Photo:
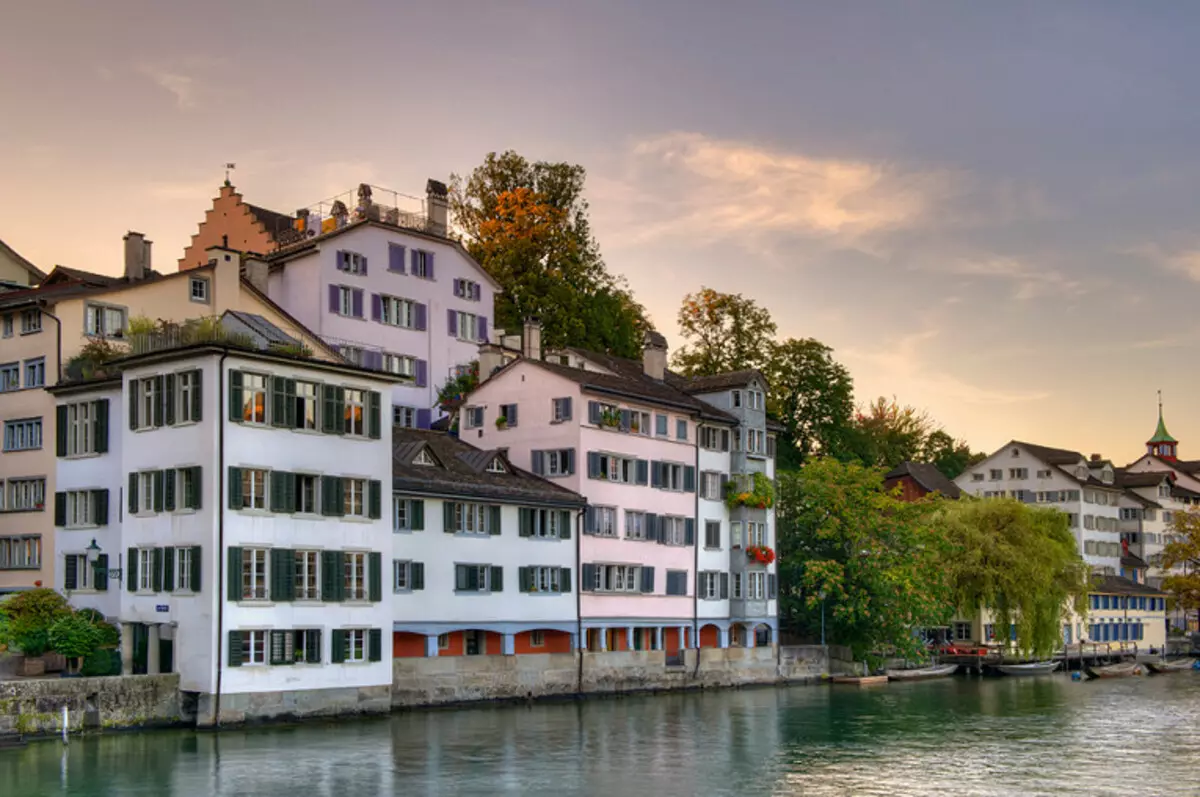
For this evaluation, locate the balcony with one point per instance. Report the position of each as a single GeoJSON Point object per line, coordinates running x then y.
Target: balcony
{"type": "Point", "coordinates": [350, 207]}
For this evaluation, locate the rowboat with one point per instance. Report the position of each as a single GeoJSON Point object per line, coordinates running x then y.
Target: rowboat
{"type": "Point", "coordinates": [1164, 667]}
{"type": "Point", "coordinates": [1122, 669]}
{"type": "Point", "coordinates": [1032, 668]}
{"type": "Point", "coordinates": [922, 673]}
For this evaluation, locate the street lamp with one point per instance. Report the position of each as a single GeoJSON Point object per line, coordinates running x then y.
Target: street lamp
{"type": "Point", "coordinates": [93, 548]}
{"type": "Point", "coordinates": [821, 595]}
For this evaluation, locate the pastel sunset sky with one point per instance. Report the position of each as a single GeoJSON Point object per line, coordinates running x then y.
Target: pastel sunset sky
{"type": "Point", "coordinates": [988, 210]}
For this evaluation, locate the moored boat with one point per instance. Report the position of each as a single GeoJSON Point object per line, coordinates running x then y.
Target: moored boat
{"type": "Point", "coordinates": [922, 673]}
{"type": "Point", "coordinates": [1032, 668]}
{"type": "Point", "coordinates": [1163, 667]}
{"type": "Point", "coordinates": [1123, 669]}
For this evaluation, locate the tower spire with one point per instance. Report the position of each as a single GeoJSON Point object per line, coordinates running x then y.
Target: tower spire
{"type": "Point", "coordinates": [1162, 445]}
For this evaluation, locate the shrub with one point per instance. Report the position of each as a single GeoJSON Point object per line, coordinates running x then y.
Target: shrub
{"type": "Point", "coordinates": [30, 616]}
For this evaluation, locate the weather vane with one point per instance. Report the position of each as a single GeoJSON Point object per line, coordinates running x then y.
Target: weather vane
{"type": "Point", "coordinates": [228, 167]}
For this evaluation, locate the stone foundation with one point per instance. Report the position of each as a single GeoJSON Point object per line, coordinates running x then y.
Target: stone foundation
{"type": "Point", "coordinates": [237, 709]}
{"type": "Point", "coordinates": [34, 707]}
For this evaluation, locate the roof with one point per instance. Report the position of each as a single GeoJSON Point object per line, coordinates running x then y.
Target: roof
{"type": "Point", "coordinates": [1060, 457]}
{"type": "Point", "coordinates": [1132, 560]}
{"type": "Point", "coordinates": [259, 327]}
{"type": "Point", "coordinates": [1179, 491]}
{"type": "Point", "coordinates": [462, 471]}
{"type": "Point", "coordinates": [273, 221]}
{"type": "Point", "coordinates": [712, 383]}
{"type": "Point", "coordinates": [68, 283]}
{"type": "Point", "coordinates": [1161, 435]}
{"type": "Point", "coordinates": [168, 354]}
{"type": "Point", "coordinates": [1143, 500]}
{"type": "Point", "coordinates": [927, 476]}
{"type": "Point", "coordinates": [36, 273]}
{"type": "Point", "coordinates": [1149, 478]}
{"type": "Point", "coordinates": [1115, 585]}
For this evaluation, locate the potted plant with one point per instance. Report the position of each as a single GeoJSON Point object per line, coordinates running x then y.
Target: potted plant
{"type": "Point", "coordinates": [501, 422]}
{"type": "Point", "coordinates": [759, 494]}
{"type": "Point", "coordinates": [610, 417]}
{"type": "Point", "coordinates": [760, 554]}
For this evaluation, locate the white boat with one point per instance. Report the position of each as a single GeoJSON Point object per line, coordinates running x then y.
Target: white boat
{"type": "Point", "coordinates": [1033, 668]}
{"type": "Point", "coordinates": [1174, 665]}
{"type": "Point", "coordinates": [922, 673]}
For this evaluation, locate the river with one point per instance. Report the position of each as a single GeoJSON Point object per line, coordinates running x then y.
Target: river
{"type": "Point", "coordinates": [960, 736]}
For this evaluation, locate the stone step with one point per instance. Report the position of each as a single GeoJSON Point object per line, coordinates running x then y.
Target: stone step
{"type": "Point", "coordinates": [11, 739]}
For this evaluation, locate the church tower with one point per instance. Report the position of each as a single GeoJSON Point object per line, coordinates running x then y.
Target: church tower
{"type": "Point", "coordinates": [1162, 445]}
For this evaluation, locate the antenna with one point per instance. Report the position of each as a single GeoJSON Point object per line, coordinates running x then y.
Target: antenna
{"type": "Point", "coordinates": [228, 168]}
{"type": "Point", "coordinates": [1160, 403]}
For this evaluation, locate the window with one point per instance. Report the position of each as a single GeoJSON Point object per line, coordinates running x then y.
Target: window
{"type": "Point", "coordinates": [145, 393]}
{"type": "Point", "coordinates": [496, 466]}
{"type": "Point", "coordinates": [8, 325]}
{"type": "Point", "coordinates": [756, 398]}
{"type": "Point", "coordinates": [962, 632]}
{"type": "Point", "coordinates": [345, 301]}
{"type": "Point", "coordinates": [10, 376]}
{"type": "Point", "coordinates": [676, 582]}
{"type": "Point", "coordinates": [467, 289]}
{"type": "Point", "coordinates": [183, 569]}
{"type": "Point", "coordinates": [423, 457]}
{"type": "Point", "coordinates": [635, 525]}
{"type": "Point", "coordinates": [476, 578]}
{"type": "Point", "coordinates": [103, 322]}
{"type": "Point", "coordinates": [710, 585]}
{"type": "Point", "coordinates": [31, 321]}
{"type": "Point", "coordinates": [407, 576]}
{"type": "Point", "coordinates": [736, 586]}
{"type": "Point", "coordinates": [604, 520]}
{"type": "Point", "coordinates": [77, 571]}
{"type": "Point", "coordinates": [306, 405]}
{"type": "Point", "coordinates": [21, 553]}
{"type": "Point", "coordinates": [356, 645]}
{"type": "Point", "coordinates": [474, 417]}
{"type": "Point", "coordinates": [537, 639]}
{"type": "Point", "coordinates": [735, 534]}
{"type": "Point", "coordinates": [306, 583]}
{"type": "Point", "coordinates": [507, 417]}
{"type": "Point", "coordinates": [354, 497]}
{"type": "Point", "coordinates": [671, 530]}
{"type": "Point", "coordinates": [422, 264]}
{"type": "Point", "coordinates": [356, 576]}
{"type": "Point", "coordinates": [404, 416]}
{"type": "Point", "coordinates": [351, 262]}
{"type": "Point", "coordinates": [400, 365]}
{"type": "Point", "coordinates": [198, 289]}
{"type": "Point", "coordinates": [398, 312]}
{"type": "Point", "coordinates": [473, 518]}
{"type": "Point", "coordinates": [254, 398]}
{"type": "Point", "coordinates": [672, 476]}
{"type": "Point", "coordinates": [995, 474]}
{"type": "Point", "coordinates": [681, 429]}
{"type": "Point", "coordinates": [976, 477]}
{"type": "Point", "coordinates": [560, 410]}
{"type": "Point", "coordinates": [714, 439]}
{"type": "Point", "coordinates": [613, 468]}
{"type": "Point", "coordinates": [661, 423]}
{"type": "Point", "coordinates": [559, 462]}
{"type": "Point", "coordinates": [467, 326]}
{"type": "Point", "coordinates": [352, 354]}
{"type": "Point", "coordinates": [356, 416]}
{"type": "Point", "coordinates": [306, 494]}
{"type": "Point", "coordinates": [254, 647]}
{"type": "Point", "coordinates": [1164, 491]}
{"type": "Point", "coordinates": [1043, 474]}
{"type": "Point", "coordinates": [617, 578]}
{"type": "Point", "coordinates": [756, 586]}
{"type": "Point", "coordinates": [756, 441]}
{"type": "Point", "coordinates": [254, 488]}
{"type": "Point", "coordinates": [737, 398]}
{"type": "Point", "coordinates": [710, 485]}
{"type": "Point", "coordinates": [542, 579]}
{"type": "Point", "coordinates": [23, 435]}
{"type": "Point", "coordinates": [187, 397]}
{"type": "Point", "coordinates": [145, 564]}
{"type": "Point", "coordinates": [254, 574]}
{"type": "Point", "coordinates": [35, 372]}
{"type": "Point", "coordinates": [80, 509]}
{"type": "Point", "coordinates": [712, 534]}
{"type": "Point", "coordinates": [26, 495]}
{"type": "Point", "coordinates": [756, 533]}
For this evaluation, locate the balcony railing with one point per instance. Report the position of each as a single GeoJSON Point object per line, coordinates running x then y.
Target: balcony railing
{"type": "Point", "coordinates": [348, 207]}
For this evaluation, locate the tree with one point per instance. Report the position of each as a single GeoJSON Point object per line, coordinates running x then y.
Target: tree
{"type": "Point", "coordinates": [1018, 562]}
{"type": "Point", "coordinates": [812, 395]}
{"type": "Point", "coordinates": [948, 455]}
{"type": "Point", "coordinates": [1183, 550]}
{"type": "Point", "coordinates": [30, 616]}
{"type": "Point", "coordinates": [870, 557]}
{"type": "Point", "coordinates": [527, 225]}
{"type": "Point", "coordinates": [724, 332]}
{"type": "Point", "coordinates": [74, 636]}
{"type": "Point", "coordinates": [884, 434]}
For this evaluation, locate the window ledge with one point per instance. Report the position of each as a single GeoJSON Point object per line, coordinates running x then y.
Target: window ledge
{"type": "Point", "coordinates": [87, 455]}
{"type": "Point", "coordinates": [465, 592]}
{"type": "Point", "coordinates": [81, 528]}
{"type": "Point", "coordinates": [255, 603]}
{"type": "Point", "coordinates": [20, 511]}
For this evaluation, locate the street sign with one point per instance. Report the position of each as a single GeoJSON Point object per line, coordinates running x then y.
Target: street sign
{"type": "Point", "coordinates": [114, 572]}
{"type": "Point", "coordinates": [162, 607]}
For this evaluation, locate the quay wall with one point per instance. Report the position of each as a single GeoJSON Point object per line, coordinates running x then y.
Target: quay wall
{"type": "Point", "coordinates": [33, 706]}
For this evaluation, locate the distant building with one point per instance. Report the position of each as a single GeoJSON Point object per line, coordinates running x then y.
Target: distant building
{"type": "Point", "coordinates": [919, 479]}
{"type": "Point", "coordinates": [15, 271]}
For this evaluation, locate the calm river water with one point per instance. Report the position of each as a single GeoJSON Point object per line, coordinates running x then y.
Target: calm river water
{"type": "Point", "coordinates": [1049, 735]}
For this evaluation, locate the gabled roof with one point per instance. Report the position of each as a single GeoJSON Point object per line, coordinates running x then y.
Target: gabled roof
{"type": "Point", "coordinates": [1143, 500]}
{"type": "Point", "coordinates": [36, 274]}
{"type": "Point", "coordinates": [1132, 560]}
{"type": "Point", "coordinates": [1148, 478]}
{"type": "Point", "coordinates": [1115, 585]}
{"type": "Point", "coordinates": [1061, 458]}
{"type": "Point", "coordinates": [458, 473]}
{"type": "Point", "coordinates": [927, 476]}
{"type": "Point", "coordinates": [263, 331]}
{"type": "Point", "coordinates": [714, 383]}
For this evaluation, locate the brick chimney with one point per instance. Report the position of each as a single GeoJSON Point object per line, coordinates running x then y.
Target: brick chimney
{"type": "Point", "coordinates": [654, 355]}
{"type": "Point", "coordinates": [437, 206]}
{"type": "Point", "coordinates": [137, 256]}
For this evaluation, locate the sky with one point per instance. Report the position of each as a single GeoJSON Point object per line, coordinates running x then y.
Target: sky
{"type": "Point", "coordinates": [988, 210]}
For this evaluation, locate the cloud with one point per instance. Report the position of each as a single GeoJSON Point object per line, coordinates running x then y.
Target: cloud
{"type": "Point", "coordinates": [1029, 282]}
{"type": "Point", "coordinates": [185, 88]}
{"type": "Point", "coordinates": [1183, 260]}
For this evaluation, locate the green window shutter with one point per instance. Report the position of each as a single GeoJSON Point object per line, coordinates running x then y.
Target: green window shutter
{"type": "Point", "coordinates": [133, 402]}
{"type": "Point", "coordinates": [374, 499]}
{"type": "Point", "coordinates": [100, 507]}
{"type": "Point", "coordinates": [494, 521]}
{"type": "Point", "coordinates": [496, 582]}
{"type": "Point", "coordinates": [233, 574]}
{"type": "Point", "coordinates": [374, 429]}
{"type": "Point", "coordinates": [312, 646]}
{"type": "Point", "coordinates": [131, 572]}
{"type": "Point", "coordinates": [60, 509]}
{"type": "Point", "coordinates": [564, 579]}
{"type": "Point", "coordinates": [333, 409]}
{"type": "Point", "coordinates": [196, 585]}
{"type": "Point", "coordinates": [278, 401]}
{"type": "Point", "coordinates": [193, 500]}
{"type": "Point", "coordinates": [278, 490]}
{"type": "Point", "coordinates": [101, 410]}
{"type": "Point", "coordinates": [524, 522]}
{"type": "Point", "coordinates": [101, 574]}
{"type": "Point", "coordinates": [333, 574]}
{"type": "Point", "coordinates": [289, 402]}
{"type": "Point", "coordinates": [235, 396]}
{"type": "Point", "coordinates": [331, 498]}
{"type": "Point", "coordinates": [159, 489]}
{"type": "Point", "coordinates": [167, 397]}
{"type": "Point", "coordinates": [156, 571]}
{"type": "Point", "coordinates": [70, 573]}
{"type": "Point", "coordinates": [197, 395]}
{"type": "Point", "coordinates": [235, 648]}
{"type": "Point", "coordinates": [168, 576]}
{"type": "Point", "coordinates": [289, 492]}
{"type": "Point", "coordinates": [235, 488]}
{"type": "Point", "coordinates": [416, 515]}
{"type": "Point", "coordinates": [132, 493]}
{"type": "Point", "coordinates": [375, 576]}
{"type": "Point", "coordinates": [416, 575]}
{"type": "Point", "coordinates": [339, 582]}
{"type": "Point", "coordinates": [448, 517]}
{"type": "Point", "coordinates": [337, 652]}
{"type": "Point", "coordinates": [159, 389]}
{"type": "Point", "coordinates": [283, 574]}
{"type": "Point", "coordinates": [375, 644]}
{"type": "Point", "coordinates": [564, 525]}
{"type": "Point", "coordinates": [60, 431]}
{"type": "Point", "coordinates": [524, 581]}
{"type": "Point", "coordinates": [169, 490]}
{"type": "Point", "coordinates": [278, 647]}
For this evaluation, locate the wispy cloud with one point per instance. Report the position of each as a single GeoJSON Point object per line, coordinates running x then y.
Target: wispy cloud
{"type": "Point", "coordinates": [183, 87]}
{"type": "Point", "coordinates": [1028, 281]}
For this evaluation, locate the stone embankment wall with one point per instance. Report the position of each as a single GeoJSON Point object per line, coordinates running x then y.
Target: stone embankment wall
{"type": "Point", "coordinates": [34, 707]}
{"type": "Point", "coordinates": [292, 705]}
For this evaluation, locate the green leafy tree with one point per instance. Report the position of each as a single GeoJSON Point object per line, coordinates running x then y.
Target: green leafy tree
{"type": "Point", "coordinates": [1183, 551]}
{"type": "Point", "coordinates": [874, 558]}
{"type": "Point", "coordinates": [1017, 561]}
{"type": "Point", "coordinates": [527, 225]}
{"type": "Point", "coordinates": [723, 332]}
{"type": "Point", "coordinates": [30, 616]}
{"type": "Point", "coordinates": [952, 457]}
{"type": "Point", "coordinates": [812, 396]}
{"type": "Point", "coordinates": [884, 434]}
{"type": "Point", "coordinates": [74, 636]}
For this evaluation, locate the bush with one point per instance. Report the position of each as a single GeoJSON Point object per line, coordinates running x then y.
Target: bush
{"type": "Point", "coordinates": [30, 616]}
{"type": "Point", "coordinates": [101, 662]}
{"type": "Point", "coordinates": [74, 636]}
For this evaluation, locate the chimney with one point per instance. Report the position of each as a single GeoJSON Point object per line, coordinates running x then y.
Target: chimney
{"type": "Point", "coordinates": [137, 256]}
{"type": "Point", "coordinates": [532, 348]}
{"type": "Point", "coordinates": [437, 206]}
{"type": "Point", "coordinates": [654, 355]}
{"type": "Point", "coordinates": [1095, 457]}
{"type": "Point", "coordinates": [255, 272]}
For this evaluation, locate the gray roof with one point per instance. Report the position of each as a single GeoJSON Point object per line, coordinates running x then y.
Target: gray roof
{"type": "Point", "coordinates": [1115, 585]}
{"type": "Point", "coordinates": [927, 476]}
{"type": "Point", "coordinates": [461, 471]}
{"type": "Point", "coordinates": [713, 383]}
{"type": "Point", "coordinates": [263, 331]}
{"type": "Point", "coordinates": [1061, 457]}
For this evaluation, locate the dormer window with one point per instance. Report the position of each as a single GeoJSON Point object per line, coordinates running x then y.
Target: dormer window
{"type": "Point", "coordinates": [423, 457]}
{"type": "Point", "coordinates": [496, 466]}
{"type": "Point", "coordinates": [1016, 452]}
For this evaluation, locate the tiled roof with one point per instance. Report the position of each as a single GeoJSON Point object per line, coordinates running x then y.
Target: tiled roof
{"type": "Point", "coordinates": [1115, 585]}
{"type": "Point", "coordinates": [1143, 500]}
{"type": "Point", "coordinates": [1061, 457]}
{"type": "Point", "coordinates": [259, 327]}
{"type": "Point", "coordinates": [1132, 560]}
{"type": "Point", "coordinates": [462, 471]}
{"type": "Point", "coordinates": [927, 476]}
{"type": "Point", "coordinates": [1150, 478]}
{"type": "Point", "coordinates": [714, 382]}
{"type": "Point", "coordinates": [274, 221]}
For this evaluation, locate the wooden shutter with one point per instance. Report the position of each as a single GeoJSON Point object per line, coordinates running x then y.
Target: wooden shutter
{"type": "Point", "coordinates": [420, 316]}
{"type": "Point", "coordinates": [396, 258]}
{"type": "Point", "coordinates": [496, 579]}
{"type": "Point", "coordinates": [494, 527]}
{"type": "Point", "coordinates": [448, 517]}
{"type": "Point", "coordinates": [689, 531]}
{"type": "Point", "coordinates": [156, 570]}
{"type": "Point", "coordinates": [375, 644]}
{"type": "Point", "coordinates": [100, 507]}
{"type": "Point", "coordinates": [60, 509]}
{"type": "Point", "coordinates": [312, 646]}
{"type": "Point", "coordinates": [374, 415]}
{"type": "Point", "coordinates": [375, 576]}
{"type": "Point", "coordinates": [70, 572]}
{"type": "Point", "coordinates": [374, 499]}
{"type": "Point", "coordinates": [416, 515]}
{"type": "Point", "coordinates": [452, 323]}
{"type": "Point", "coordinates": [641, 471]}
{"type": "Point", "coordinates": [279, 490]}
{"type": "Point", "coordinates": [279, 402]}
{"type": "Point", "coordinates": [524, 522]}
{"type": "Point", "coordinates": [235, 648]}
{"type": "Point", "coordinates": [131, 577]}
{"type": "Point", "coordinates": [195, 574]}
{"type": "Point", "coordinates": [235, 396]}
{"type": "Point", "coordinates": [655, 474]}
{"type": "Point", "coordinates": [376, 307]}
{"type": "Point", "coordinates": [157, 409]}
{"type": "Point", "coordinates": [333, 401]}
{"type": "Point", "coordinates": [460, 577]}
{"type": "Point", "coordinates": [193, 498]}
{"type": "Point", "coordinates": [589, 520]}
{"type": "Point", "coordinates": [60, 430]}
{"type": "Point", "coordinates": [233, 574]}
{"type": "Point", "coordinates": [100, 576]}
{"type": "Point", "coordinates": [593, 458]}
{"type": "Point", "coordinates": [168, 578]}
{"type": "Point", "coordinates": [772, 586]}
{"type": "Point", "coordinates": [283, 574]}
{"type": "Point", "coordinates": [689, 479]}
{"type": "Point", "coordinates": [566, 408]}
{"type": "Point", "coordinates": [724, 586]}
{"type": "Point", "coordinates": [133, 493]}
{"type": "Point", "coordinates": [647, 579]}
{"type": "Point", "coordinates": [278, 647]}
{"type": "Point", "coordinates": [333, 576]}
{"type": "Point", "coordinates": [167, 397]}
{"type": "Point", "coordinates": [337, 652]}
{"type": "Point", "coordinates": [652, 525]}
{"type": "Point", "coordinates": [724, 439]}
{"type": "Point", "coordinates": [564, 525]}
{"type": "Point", "coordinates": [235, 488]}
{"type": "Point", "coordinates": [416, 575]}
{"type": "Point", "coordinates": [594, 413]}
{"type": "Point", "coordinates": [169, 490]}
{"type": "Point", "coordinates": [197, 395]}
{"type": "Point", "coordinates": [511, 415]}
{"type": "Point", "coordinates": [570, 454]}
{"type": "Point", "coordinates": [159, 490]}
{"type": "Point", "coordinates": [537, 461]}
{"type": "Point", "coordinates": [335, 306]}
{"type": "Point", "coordinates": [588, 578]}
{"type": "Point", "coordinates": [133, 404]}
{"type": "Point", "coordinates": [564, 579]}
{"type": "Point", "coordinates": [356, 302]}
{"type": "Point", "coordinates": [429, 265]}
{"type": "Point", "coordinates": [329, 494]}
{"type": "Point", "coordinates": [100, 408]}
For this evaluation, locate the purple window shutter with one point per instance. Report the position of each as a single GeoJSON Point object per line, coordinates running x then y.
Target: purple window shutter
{"type": "Point", "coordinates": [357, 301]}
{"type": "Point", "coordinates": [429, 265]}
{"type": "Point", "coordinates": [374, 360]}
{"type": "Point", "coordinates": [364, 265]}
{"type": "Point", "coordinates": [341, 260]}
{"type": "Point", "coordinates": [476, 292]}
{"type": "Point", "coordinates": [424, 419]}
{"type": "Point", "coordinates": [419, 316]}
{"type": "Point", "coordinates": [452, 323]}
{"type": "Point", "coordinates": [483, 329]}
{"type": "Point", "coordinates": [422, 373]}
{"type": "Point", "coordinates": [396, 258]}
{"type": "Point", "coordinates": [334, 304]}
{"type": "Point", "coordinates": [415, 256]}
{"type": "Point", "coordinates": [376, 307]}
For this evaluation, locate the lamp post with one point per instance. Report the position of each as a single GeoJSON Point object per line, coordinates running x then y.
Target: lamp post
{"type": "Point", "coordinates": [821, 595]}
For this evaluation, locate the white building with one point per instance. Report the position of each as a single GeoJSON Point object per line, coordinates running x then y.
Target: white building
{"type": "Point", "coordinates": [244, 534]}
